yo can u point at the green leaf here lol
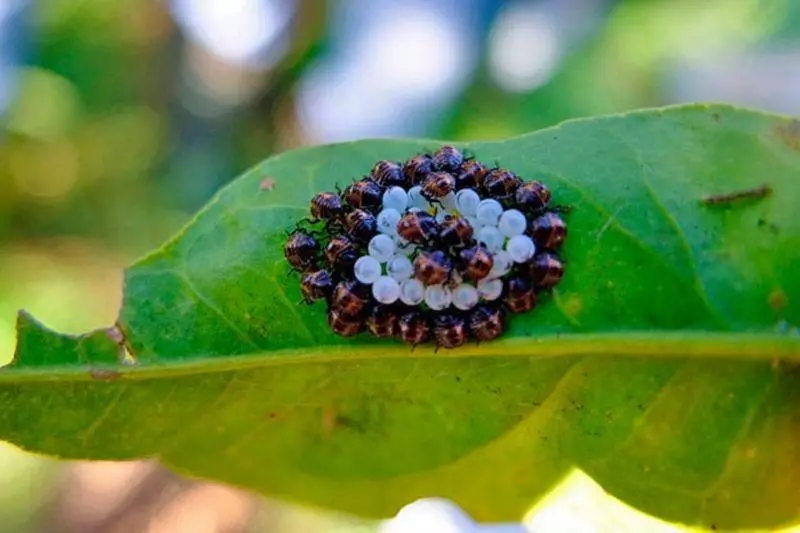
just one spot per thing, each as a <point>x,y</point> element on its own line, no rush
<point>666,365</point>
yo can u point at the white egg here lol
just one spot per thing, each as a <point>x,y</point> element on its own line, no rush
<point>491,238</point>
<point>400,267</point>
<point>381,247</point>
<point>416,200</point>
<point>512,222</point>
<point>490,289</point>
<point>386,290</point>
<point>520,248</point>
<point>387,221</point>
<point>412,292</point>
<point>395,198</point>
<point>367,269</point>
<point>449,201</point>
<point>467,202</point>
<point>465,296</point>
<point>489,212</point>
<point>438,297</point>
<point>502,264</point>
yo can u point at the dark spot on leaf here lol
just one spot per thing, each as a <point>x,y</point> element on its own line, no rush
<point>789,133</point>
<point>458,378</point>
<point>770,225</point>
<point>778,299</point>
<point>717,117</point>
<point>104,374</point>
<point>754,193</point>
<point>272,415</point>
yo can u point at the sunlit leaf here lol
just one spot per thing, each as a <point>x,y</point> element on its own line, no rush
<point>665,365</point>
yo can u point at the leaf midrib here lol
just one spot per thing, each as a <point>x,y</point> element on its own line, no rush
<point>744,346</point>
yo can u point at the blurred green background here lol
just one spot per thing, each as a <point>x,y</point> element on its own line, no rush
<point>120,118</point>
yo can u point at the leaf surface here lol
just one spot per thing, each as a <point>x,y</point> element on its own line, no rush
<point>665,365</point>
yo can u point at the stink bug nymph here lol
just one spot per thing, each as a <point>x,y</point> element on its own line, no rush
<point>343,324</point>
<point>501,184</point>
<point>546,269</point>
<point>414,328</point>
<point>301,250</point>
<point>382,321</point>
<point>455,231</point>
<point>532,196</point>
<point>548,231</point>
<point>477,262</point>
<point>326,206</point>
<point>350,297</point>
<point>471,175</point>
<point>449,330</point>
<point>361,225</point>
<point>486,323</point>
<point>417,168</point>
<point>418,227</point>
<point>447,158</point>
<point>520,296</point>
<point>433,268</point>
<point>438,185</point>
<point>340,253</point>
<point>316,286</point>
<point>364,194</point>
<point>389,173</point>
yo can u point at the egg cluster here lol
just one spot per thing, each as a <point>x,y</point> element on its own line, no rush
<point>439,247</point>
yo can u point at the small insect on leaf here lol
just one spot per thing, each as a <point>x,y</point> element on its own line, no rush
<point>267,184</point>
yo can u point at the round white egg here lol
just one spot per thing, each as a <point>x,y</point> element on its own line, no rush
<point>367,269</point>
<point>512,222</point>
<point>438,297</point>
<point>386,290</point>
<point>395,198</point>
<point>489,212</point>
<point>465,297</point>
<point>381,247</point>
<point>520,248</point>
<point>412,292</point>
<point>490,289</point>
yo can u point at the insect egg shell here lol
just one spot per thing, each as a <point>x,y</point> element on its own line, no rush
<point>465,297</point>
<point>491,237</point>
<point>502,264</point>
<point>381,247</point>
<point>415,198</point>
<point>438,297</point>
<point>490,289</point>
<point>520,248</point>
<point>449,201</point>
<point>412,292</point>
<point>489,212</point>
<point>386,290</point>
<point>512,222</point>
<point>400,267</point>
<point>387,221</point>
<point>395,198</point>
<point>467,202</point>
<point>367,269</point>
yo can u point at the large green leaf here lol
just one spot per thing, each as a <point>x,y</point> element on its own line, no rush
<point>666,365</point>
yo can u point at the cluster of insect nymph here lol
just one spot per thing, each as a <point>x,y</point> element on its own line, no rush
<point>438,248</point>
